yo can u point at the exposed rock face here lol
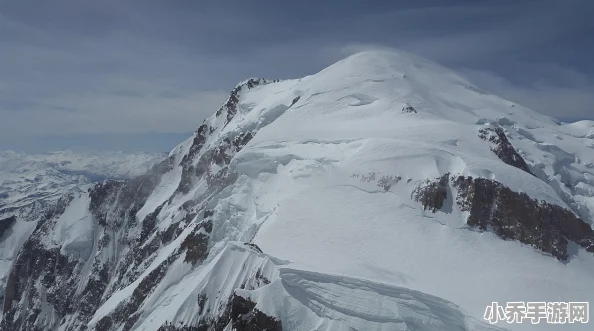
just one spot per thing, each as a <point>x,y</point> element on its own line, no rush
<point>230,106</point>
<point>127,312</point>
<point>230,109</point>
<point>432,194</point>
<point>235,312</point>
<point>511,215</point>
<point>55,278</point>
<point>44,275</point>
<point>129,196</point>
<point>36,265</point>
<point>219,155</point>
<point>254,247</point>
<point>240,314</point>
<point>38,269</point>
<point>196,244</point>
<point>503,148</point>
<point>197,144</point>
<point>172,327</point>
<point>245,317</point>
<point>408,109</point>
<point>382,181</point>
<point>516,216</point>
<point>5,224</point>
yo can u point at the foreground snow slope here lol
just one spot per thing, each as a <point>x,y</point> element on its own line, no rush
<point>382,193</point>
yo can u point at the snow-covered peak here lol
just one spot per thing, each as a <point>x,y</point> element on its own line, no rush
<point>383,193</point>
<point>383,64</point>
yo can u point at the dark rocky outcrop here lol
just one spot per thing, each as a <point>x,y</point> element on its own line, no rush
<point>105,324</point>
<point>196,243</point>
<point>229,147</point>
<point>171,233</point>
<point>509,214</point>
<point>90,298</point>
<point>103,194</point>
<point>254,247</point>
<point>127,311</point>
<point>230,106</point>
<point>220,155</point>
<point>503,148</point>
<point>408,109</point>
<point>201,134</point>
<point>43,277</point>
<point>194,246</point>
<point>246,317</point>
<point>73,299</point>
<point>295,100</point>
<point>129,196</point>
<point>261,279</point>
<point>37,265</point>
<point>513,215</point>
<point>240,313</point>
<point>385,181</point>
<point>172,327</point>
<point>52,270</point>
<point>148,224</point>
<point>6,224</point>
<point>432,194</point>
<point>197,144</point>
<point>113,205</point>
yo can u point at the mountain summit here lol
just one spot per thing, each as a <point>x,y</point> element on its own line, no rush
<point>383,193</point>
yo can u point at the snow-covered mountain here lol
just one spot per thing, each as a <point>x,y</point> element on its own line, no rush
<point>32,183</point>
<point>382,193</point>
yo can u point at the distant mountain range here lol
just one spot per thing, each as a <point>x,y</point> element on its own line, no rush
<point>28,178</point>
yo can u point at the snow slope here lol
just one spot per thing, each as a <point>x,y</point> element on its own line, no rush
<point>317,204</point>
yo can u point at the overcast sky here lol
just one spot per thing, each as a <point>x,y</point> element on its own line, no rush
<point>141,75</point>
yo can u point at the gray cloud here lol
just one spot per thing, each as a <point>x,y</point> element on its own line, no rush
<point>72,67</point>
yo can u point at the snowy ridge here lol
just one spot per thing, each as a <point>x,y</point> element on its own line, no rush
<point>326,203</point>
<point>310,300</point>
<point>236,266</point>
<point>329,302</point>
